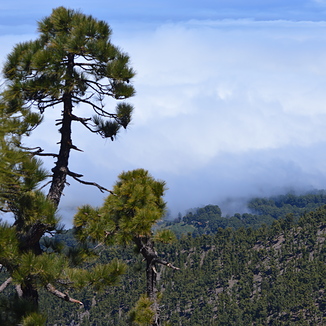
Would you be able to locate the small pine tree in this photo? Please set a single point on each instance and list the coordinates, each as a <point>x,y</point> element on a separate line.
<point>127,216</point>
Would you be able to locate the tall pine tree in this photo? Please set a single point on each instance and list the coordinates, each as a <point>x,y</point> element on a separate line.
<point>71,63</point>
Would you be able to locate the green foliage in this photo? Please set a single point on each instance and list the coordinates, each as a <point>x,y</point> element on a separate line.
<point>44,269</point>
<point>73,55</point>
<point>279,206</point>
<point>89,224</point>
<point>136,204</point>
<point>164,236</point>
<point>13,310</point>
<point>20,173</point>
<point>96,276</point>
<point>34,319</point>
<point>128,216</point>
<point>103,275</point>
<point>142,314</point>
<point>273,275</point>
<point>9,245</point>
<point>131,210</point>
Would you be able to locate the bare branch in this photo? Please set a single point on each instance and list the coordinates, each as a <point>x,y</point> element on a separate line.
<point>5,210</point>
<point>83,121</point>
<point>61,295</point>
<point>75,118</point>
<point>99,88</point>
<point>74,174</point>
<point>45,184</point>
<point>99,110</point>
<point>83,64</point>
<point>19,290</point>
<point>45,154</point>
<point>5,284</point>
<point>76,177</point>
<point>38,151</point>
<point>76,148</point>
<point>162,262</point>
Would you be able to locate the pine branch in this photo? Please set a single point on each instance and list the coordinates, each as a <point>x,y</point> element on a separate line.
<point>38,151</point>
<point>45,184</point>
<point>45,154</point>
<point>101,88</point>
<point>83,121</point>
<point>5,284</point>
<point>61,295</point>
<point>77,177</point>
<point>99,110</point>
<point>5,210</point>
<point>42,106</point>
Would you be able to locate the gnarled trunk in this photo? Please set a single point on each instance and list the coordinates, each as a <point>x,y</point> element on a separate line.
<point>60,170</point>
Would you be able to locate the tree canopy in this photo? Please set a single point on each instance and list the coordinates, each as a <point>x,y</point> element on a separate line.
<point>71,63</point>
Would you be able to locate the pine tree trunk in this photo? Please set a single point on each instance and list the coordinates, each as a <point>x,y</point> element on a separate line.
<point>146,248</point>
<point>60,170</point>
<point>30,294</point>
<point>151,288</point>
<point>28,290</point>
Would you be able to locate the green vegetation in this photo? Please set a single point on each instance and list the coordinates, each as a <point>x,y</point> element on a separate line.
<point>208,219</point>
<point>272,275</point>
<point>127,216</point>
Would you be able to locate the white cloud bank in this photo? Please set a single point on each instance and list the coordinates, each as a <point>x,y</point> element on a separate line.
<point>223,109</point>
<point>210,88</point>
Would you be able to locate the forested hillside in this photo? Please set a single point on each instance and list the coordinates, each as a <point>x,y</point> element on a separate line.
<point>272,275</point>
<point>208,219</point>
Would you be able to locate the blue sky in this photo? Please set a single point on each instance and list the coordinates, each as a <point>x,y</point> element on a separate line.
<point>230,98</point>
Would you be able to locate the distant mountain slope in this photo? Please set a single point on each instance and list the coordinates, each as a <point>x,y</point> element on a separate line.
<point>273,275</point>
<point>208,219</point>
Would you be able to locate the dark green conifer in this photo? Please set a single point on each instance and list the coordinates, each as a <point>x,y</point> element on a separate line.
<point>71,63</point>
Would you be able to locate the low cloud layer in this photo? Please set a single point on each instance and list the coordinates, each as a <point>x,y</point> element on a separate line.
<point>225,110</point>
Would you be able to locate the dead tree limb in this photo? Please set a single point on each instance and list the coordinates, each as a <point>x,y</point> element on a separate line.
<point>61,295</point>
<point>5,283</point>
<point>101,188</point>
